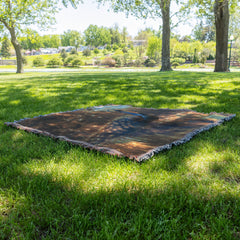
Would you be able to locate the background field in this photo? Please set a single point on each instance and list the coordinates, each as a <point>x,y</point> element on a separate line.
<point>52,190</point>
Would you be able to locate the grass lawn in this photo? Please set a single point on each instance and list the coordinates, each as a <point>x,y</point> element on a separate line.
<point>52,190</point>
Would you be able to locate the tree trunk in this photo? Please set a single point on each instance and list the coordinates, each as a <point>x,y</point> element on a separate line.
<point>17,48</point>
<point>221,12</point>
<point>165,8</point>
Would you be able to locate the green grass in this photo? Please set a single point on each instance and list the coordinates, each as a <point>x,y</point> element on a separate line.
<point>8,67</point>
<point>52,190</point>
<point>196,65</point>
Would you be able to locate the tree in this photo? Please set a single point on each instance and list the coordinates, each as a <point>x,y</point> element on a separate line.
<point>72,38</point>
<point>15,15</point>
<point>234,25</point>
<point>31,41</point>
<point>51,41</point>
<point>144,9</point>
<point>154,48</point>
<point>186,38</point>
<point>63,54</point>
<point>115,35</point>
<point>205,32</point>
<point>97,36</point>
<point>144,35</point>
<point>165,9</point>
<point>221,10</point>
<point>5,49</point>
<point>124,35</point>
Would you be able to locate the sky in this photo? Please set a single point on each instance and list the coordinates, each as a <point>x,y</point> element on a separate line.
<point>88,13</point>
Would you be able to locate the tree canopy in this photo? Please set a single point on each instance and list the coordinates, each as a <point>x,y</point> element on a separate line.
<point>17,15</point>
<point>145,9</point>
<point>5,49</point>
<point>22,13</point>
<point>234,25</point>
<point>71,38</point>
<point>97,36</point>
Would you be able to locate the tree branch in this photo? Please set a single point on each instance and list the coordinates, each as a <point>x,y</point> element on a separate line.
<point>5,23</point>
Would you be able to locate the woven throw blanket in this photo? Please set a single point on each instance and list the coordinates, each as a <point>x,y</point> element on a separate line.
<point>123,130</point>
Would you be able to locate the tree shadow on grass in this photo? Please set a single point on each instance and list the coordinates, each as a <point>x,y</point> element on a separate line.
<point>46,204</point>
<point>43,205</point>
<point>70,91</point>
<point>38,95</point>
<point>110,198</point>
<point>76,91</point>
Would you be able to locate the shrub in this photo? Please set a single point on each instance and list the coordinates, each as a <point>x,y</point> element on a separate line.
<point>130,63</point>
<point>122,45</point>
<point>97,62</point>
<point>211,57</point>
<point>150,62</point>
<point>118,52</point>
<point>38,62</point>
<point>119,60</point>
<point>86,52</point>
<point>125,50</point>
<point>54,62</point>
<point>195,56</point>
<point>63,54</point>
<point>203,59</point>
<point>115,46</point>
<point>175,64</point>
<point>73,61</point>
<point>131,46</point>
<point>109,61</point>
<point>24,60</point>
<point>109,48</point>
<point>126,59</point>
<point>105,52</point>
<point>138,62</point>
<point>154,48</point>
<point>76,62</point>
<point>195,59</point>
<point>96,50</point>
<point>178,60</point>
<point>74,51</point>
<point>236,54</point>
<point>68,60</point>
<point>180,54</point>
